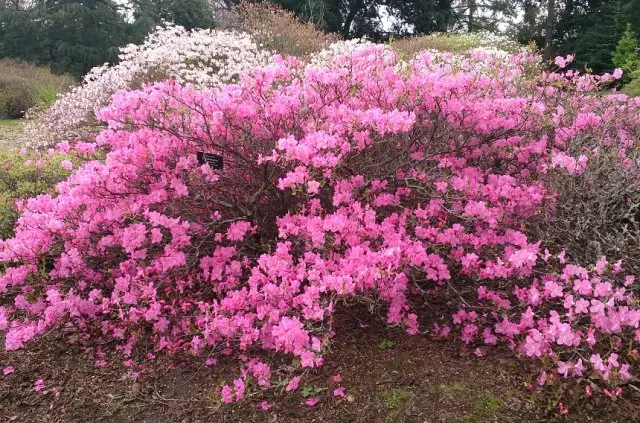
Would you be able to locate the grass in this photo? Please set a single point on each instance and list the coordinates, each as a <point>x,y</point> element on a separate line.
<point>11,122</point>
<point>485,407</point>
<point>398,401</point>
<point>397,397</point>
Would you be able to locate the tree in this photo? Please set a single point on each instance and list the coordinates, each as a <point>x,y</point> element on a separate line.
<point>69,36</point>
<point>21,35</point>
<point>592,36</point>
<point>625,55</point>
<point>483,15</point>
<point>422,16</point>
<point>149,14</point>
<point>366,18</point>
<point>550,26</point>
<point>79,35</point>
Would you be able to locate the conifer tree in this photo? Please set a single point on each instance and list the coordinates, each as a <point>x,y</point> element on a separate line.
<point>625,55</point>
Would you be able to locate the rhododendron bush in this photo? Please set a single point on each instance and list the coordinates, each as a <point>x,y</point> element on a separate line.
<point>369,179</point>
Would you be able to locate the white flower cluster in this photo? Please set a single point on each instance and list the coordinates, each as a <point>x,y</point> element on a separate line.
<point>205,58</point>
<point>336,50</point>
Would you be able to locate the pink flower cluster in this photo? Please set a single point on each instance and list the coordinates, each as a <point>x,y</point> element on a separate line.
<point>367,178</point>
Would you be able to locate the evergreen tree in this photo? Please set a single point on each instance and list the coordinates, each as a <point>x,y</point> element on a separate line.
<point>593,36</point>
<point>79,35</point>
<point>422,16</point>
<point>625,55</point>
<point>148,14</point>
<point>69,36</point>
<point>21,35</point>
<point>483,15</point>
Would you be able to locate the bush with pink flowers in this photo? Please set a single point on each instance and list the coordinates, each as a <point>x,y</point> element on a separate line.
<point>370,179</point>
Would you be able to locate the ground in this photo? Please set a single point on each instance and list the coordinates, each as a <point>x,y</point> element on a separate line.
<point>11,135</point>
<point>389,377</point>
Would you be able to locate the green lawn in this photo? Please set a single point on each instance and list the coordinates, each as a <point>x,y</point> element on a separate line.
<point>11,122</point>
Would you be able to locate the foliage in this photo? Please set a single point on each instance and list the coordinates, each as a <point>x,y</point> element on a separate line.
<point>454,43</point>
<point>625,55</point>
<point>23,86</point>
<point>205,58</point>
<point>633,87</point>
<point>69,36</point>
<point>369,178</point>
<point>589,29</point>
<point>487,16</point>
<point>354,19</point>
<point>73,36</point>
<point>148,14</point>
<point>279,30</point>
<point>596,36</point>
<point>24,176</point>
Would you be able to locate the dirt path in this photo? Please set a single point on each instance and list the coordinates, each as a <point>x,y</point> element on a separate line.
<point>388,377</point>
<point>11,135</point>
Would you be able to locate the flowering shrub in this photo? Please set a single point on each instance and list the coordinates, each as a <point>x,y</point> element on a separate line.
<point>279,30</point>
<point>369,178</point>
<point>203,57</point>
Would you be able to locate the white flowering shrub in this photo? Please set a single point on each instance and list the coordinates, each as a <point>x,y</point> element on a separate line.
<point>204,58</point>
<point>338,49</point>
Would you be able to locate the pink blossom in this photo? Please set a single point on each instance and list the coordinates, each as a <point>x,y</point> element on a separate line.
<point>560,62</point>
<point>227,394</point>
<point>293,384</point>
<point>264,405</point>
<point>239,388</point>
<point>38,385</point>
<point>312,401</point>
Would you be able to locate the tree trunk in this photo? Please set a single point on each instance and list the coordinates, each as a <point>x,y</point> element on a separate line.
<point>472,13</point>
<point>549,29</point>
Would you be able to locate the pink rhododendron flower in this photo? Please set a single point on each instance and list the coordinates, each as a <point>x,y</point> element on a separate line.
<point>38,385</point>
<point>338,392</point>
<point>312,401</point>
<point>264,405</point>
<point>227,394</point>
<point>7,370</point>
<point>293,384</point>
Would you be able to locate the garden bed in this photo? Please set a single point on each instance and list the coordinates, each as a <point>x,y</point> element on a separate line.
<point>388,377</point>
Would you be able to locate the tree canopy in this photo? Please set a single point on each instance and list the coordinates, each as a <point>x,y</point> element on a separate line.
<point>73,36</point>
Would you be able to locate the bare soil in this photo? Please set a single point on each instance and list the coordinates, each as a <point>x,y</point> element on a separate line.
<point>388,376</point>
